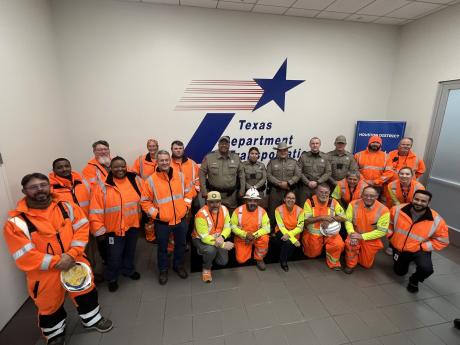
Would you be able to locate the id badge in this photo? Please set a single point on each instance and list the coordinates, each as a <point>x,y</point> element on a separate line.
<point>396,256</point>
<point>111,240</point>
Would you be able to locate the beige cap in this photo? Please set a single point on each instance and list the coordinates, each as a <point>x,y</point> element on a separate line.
<point>214,196</point>
<point>282,146</point>
<point>340,139</point>
<point>225,137</point>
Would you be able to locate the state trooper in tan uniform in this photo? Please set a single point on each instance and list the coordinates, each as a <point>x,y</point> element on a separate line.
<point>341,161</point>
<point>283,173</point>
<point>315,169</point>
<point>223,172</point>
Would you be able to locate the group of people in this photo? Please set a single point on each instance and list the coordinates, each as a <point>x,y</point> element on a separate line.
<point>333,202</point>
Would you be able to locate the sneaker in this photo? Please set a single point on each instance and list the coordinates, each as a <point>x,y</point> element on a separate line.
<point>261,265</point>
<point>59,340</point>
<point>457,323</point>
<point>348,270</point>
<point>135,276</point>
<point>389,251</point>
<point>113,286</point>
<point>206,276</point>
<point>284,266</point>
<point>102,326</point>
<point>412,287</point>
<point>181,272</point>
<point>163,278</point>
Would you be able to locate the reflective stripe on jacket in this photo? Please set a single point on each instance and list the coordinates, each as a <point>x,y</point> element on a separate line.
<point>191,172</point>
<point>395,162</point>
<point>206,227</point>
<point>371,222</point>
<point>144,166</point>
<point>313,208</point>
<point>94,171</point>
<point>394,195</point>
<point>342,191</point>
<point>290,222</point>
<point>256,222</point>
<point>76,190</point>
<point>429,232</point>
<point>372,165</point>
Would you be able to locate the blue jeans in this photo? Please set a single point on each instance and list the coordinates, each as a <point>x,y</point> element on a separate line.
<point>180,233</point>
<point>120,254</point>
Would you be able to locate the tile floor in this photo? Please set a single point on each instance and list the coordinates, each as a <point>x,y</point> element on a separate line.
<point>310,305</point>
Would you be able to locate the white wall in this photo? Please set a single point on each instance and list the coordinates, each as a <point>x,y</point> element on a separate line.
<point>32,130</point>
<point>125,66</point>
<point>429,53</point>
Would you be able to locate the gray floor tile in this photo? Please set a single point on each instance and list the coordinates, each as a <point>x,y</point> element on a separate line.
<point>300,334</point>
<point>234,321</point>
<point>178,286</point>
<point>443,307</point>
<point>199,287</point>
<point>261,315</point>
<point>86,338</point>
<point>287,311</point>
<point>152,310</point>
<point>379,296</point>
<point>401,295</point>
<point>412,315</point>
<point>270,336</point>
<point>327,331</point>
<point>447,333</point>
<point>270,275</point>
<point>376,320</point>
<point>367,342</point>
<point>245,338</point>
<point>207,325</point>
<point>454,299</point>
<point>423,336</point>
<point>253,294</point>
<point>147,332</point>
<point>212,341</point>
<point>178,330</point>
<point>230,298</point>
<point>152,290</point>
<point>445,284</point>
<point>329,283</point>
<point>117,336</point>
<point>311,307</point>
<point>353,327</point>
<point>276,291</point>
<point>345,302</point>
<point>124,313</point>
<point>424,313</point>
<point>298,287</point>
<point>206,302</point>
<point>396,339</point>
<point>178,305</point>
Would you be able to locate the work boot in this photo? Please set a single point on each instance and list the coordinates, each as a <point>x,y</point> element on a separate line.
<point>206,276</point>
<point>181,272</point>
<point>348,270</point>
<point>457,323</point>
<point>135,276</point>
<point>59,340</point>
<point>284,266</point>
<point>412,287</point>
<point>261,265</point>
<point>163,278</point>
<point>113,286</point>
<point>337,268</point>
<point>102,326</point>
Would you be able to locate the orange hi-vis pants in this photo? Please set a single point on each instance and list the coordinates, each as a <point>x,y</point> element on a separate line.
<point>243,249</point>
<point>313,246</point>
<point>363,253</point>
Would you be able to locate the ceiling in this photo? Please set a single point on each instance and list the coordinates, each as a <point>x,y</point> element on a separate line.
<point>392,12</point>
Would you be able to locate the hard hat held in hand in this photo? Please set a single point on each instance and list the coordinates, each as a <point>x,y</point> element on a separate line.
<point>332,229</point>
<point>252,193</point>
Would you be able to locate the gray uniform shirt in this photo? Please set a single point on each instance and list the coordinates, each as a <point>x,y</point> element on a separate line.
<point>279,170</point>
<point>255,174</point>
<point>341,165</point>
<point>314,167</point>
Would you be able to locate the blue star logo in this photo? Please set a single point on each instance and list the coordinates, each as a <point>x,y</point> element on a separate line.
<point>275,89</point>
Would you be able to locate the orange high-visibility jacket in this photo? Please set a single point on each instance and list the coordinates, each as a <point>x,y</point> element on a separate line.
<point>77,189</point>
<point>36,238</point>
<point>342,191</point>
<point>256,222</point>
<point>94,171</point>
<point>109,211</point>
<point>394,194</point>
<point>395,162</point>
<point>371,222</point>
<point>165,196</point>
<point>144,166</point>
<point>290,222</point>
<point>209,226</point>
<point>191,172</point>
<point>372,165</point>
<point>313,208</point>
<point>429,232</point>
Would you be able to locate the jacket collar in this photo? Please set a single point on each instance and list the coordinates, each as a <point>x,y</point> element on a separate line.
<point>428,215</point>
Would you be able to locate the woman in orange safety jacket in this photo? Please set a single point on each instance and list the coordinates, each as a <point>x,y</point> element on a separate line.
<point>402,190</point>
<point>115,218</point>
<point>289,225</point>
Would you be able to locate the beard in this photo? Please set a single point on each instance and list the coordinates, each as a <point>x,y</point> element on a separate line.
<point>104,160</point>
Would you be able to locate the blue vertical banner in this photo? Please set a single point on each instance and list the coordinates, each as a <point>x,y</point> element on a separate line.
<point>391,133</point>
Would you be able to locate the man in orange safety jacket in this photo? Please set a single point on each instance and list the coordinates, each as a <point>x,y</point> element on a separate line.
<point>415,231</point>
<point>98,167</point>
<point>46,236</point>
<point>367,221</point>
<point>371,162</point>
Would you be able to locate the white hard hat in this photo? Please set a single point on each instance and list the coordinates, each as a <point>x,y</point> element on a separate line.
<point>332,229</point>
<point>252,193</point>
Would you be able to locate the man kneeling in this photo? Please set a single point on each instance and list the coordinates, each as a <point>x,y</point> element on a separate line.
<point>212,228</point>
<point>251,226</point>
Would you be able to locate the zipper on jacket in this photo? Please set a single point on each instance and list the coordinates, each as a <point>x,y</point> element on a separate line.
<point>35,289</point>
<point>172,199</point>
<point>58,235</point>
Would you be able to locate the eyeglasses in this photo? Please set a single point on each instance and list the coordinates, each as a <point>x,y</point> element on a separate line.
<point>36,187</point>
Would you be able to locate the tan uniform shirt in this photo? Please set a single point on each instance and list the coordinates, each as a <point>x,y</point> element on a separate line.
<point>222,173</point>
<point>341,164</point>
<point>314,167</point>
<point>279,170</point>
<point>255,174</point>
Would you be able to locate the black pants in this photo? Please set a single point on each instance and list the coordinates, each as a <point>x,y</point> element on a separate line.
<point>286,247</point>
<point>423,263</point>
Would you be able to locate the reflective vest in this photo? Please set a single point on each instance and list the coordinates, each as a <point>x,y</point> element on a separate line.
<point>394,193</point>
<point>292,221</point>
<point>77,189</point>
<point>144,166</point>
<point>165,196</point>
<point>395,162</point>
<point>109,212</point>
<point>429,232</point>
<point>371,165</point>
<point>256,222</point>
<point>342,191</point>
<point>191,173</point>
<point>211,228</point>
<point>36,239</point>
<point>94,171</point>
<point>314,208</point>
<point>372,222</point>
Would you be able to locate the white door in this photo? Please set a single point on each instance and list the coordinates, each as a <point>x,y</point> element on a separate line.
<point>13,292</point>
